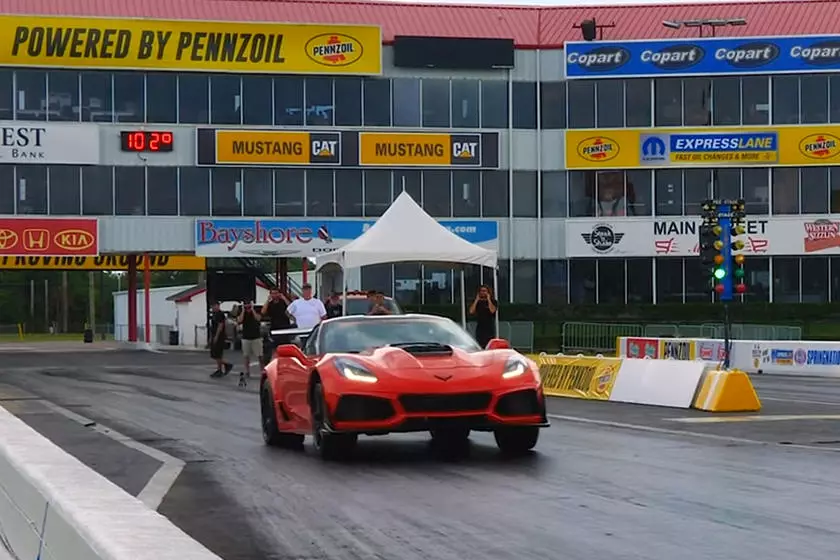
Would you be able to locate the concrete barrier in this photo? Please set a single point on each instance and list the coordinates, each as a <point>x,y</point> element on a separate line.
<point>53,507</point>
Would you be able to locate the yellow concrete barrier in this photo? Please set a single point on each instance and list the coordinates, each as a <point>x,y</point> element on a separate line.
<point>727,391</point>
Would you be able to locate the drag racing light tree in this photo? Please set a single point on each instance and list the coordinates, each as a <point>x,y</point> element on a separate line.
<point>711,246</point>
<point>738,219</point>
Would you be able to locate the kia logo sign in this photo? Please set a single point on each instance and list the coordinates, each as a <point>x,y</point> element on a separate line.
<point>674,57</point>
<point>748,55</point>
<point>600,59</point>
<point>824,53</point>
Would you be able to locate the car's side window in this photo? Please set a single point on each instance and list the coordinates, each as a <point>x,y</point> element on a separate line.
<point>311,346</point>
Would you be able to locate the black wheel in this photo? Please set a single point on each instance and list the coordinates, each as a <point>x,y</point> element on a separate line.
<point>271,435</point>
<point>517,440</point>
<point>330,446</point>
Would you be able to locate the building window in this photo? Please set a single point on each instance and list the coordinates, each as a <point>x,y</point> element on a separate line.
<point>378,277</point>
<point>194,191</point>
<point>31,189</point>
<point>639,281</point>
<point>611,199</point>
<point>410,181</point>
<point>377,102</point>
<point>668,192</point>
<point>815,108</point>
<point>554,194</point>
<point>581,108</point>
<point>289,192</point>
<point>193,99</point>
<point>6,95</point>
<point>466,193</point>
<point>319,101</point>
<point>757,190</point>
<point>31,95</point>
<point>348,192</point>
<point>161,97</point>
<point>669,280</point>
<point>162,189</point>
<point>406,102</point>
<point>130,191</point>
<point>611,281</point>
<point>7,189</point>
<point>814,279</point>
<point>437,193</point>
<point>65,182</point>
<point>834,100</point>
<point>257,192</point>
<point>697,100</point>
<point>755,100</point>
<point>495,199</point>
<point>226,191</point>
<point>225,99</point>
<point>129,97</point>
<point>97,191</point>
<point>757,279</point>
<point>668,102</point>
<point>786,190</point>
<point>553,105</point>
<point>637,102</point>
<point>814,187</point>
<point>610,104</point>
<point>97,97</point>
<point>698,287</point>
<point>377,192</point>
<point>63,98</point>
<point>785,279</point>
<point>348,101</point>
<point>726,183</point>
<point>786,100</point>
<point>408,282</point>
<point>582,281</point>
<point>525,105</point>
<point>436,103</point>
<point>726,101</point>
<point>555,282</point>
<point>437,285</point>
<point>524,194</point>
<point>288,101</point>
<point>257,100</point>
<point>835,192</point>
<point>638,192</point>
<point>525,281</point>
<point>320,193</point>
<point>494,104</point>
<point>581,194</point>
<point>465,108</point>
<point>697,185</point>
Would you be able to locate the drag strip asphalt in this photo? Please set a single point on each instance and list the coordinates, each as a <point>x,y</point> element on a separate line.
<point>607,481</point>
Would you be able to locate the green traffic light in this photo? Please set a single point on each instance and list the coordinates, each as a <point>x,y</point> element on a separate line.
<point>720,273</point>
<point>739,273</point>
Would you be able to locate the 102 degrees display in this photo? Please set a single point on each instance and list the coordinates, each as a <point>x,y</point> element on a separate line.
<point>146,141</point>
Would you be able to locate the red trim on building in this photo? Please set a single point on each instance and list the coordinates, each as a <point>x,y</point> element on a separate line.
<point>530,27</point>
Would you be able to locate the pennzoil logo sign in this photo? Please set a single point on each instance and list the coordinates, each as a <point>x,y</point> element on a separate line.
<point>403,149</point>
<point>820,146</point>
<point>334,49</point>
<point>598,149</point>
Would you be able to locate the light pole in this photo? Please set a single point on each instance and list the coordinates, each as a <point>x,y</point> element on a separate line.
<point>700,24</point>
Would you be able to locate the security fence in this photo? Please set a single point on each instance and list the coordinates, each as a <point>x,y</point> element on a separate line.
<point>600,338</point>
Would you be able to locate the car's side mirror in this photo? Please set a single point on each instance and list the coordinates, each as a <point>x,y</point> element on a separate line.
<point>289,351</point>
<point>498,344</point>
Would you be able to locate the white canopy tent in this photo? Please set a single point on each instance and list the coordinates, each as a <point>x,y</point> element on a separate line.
<point>406,233</point>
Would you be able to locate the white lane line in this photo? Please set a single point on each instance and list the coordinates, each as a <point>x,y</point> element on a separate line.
<point>803,401</point>
<point>683,433</point>
<point>753,418</point>
<point>161,482</point>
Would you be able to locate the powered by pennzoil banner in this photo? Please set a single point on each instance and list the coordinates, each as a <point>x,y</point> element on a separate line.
<point>268,147</point>
<point>114,263</point>
<point>581,377</point>
<point>410,149</point>
<point>186,45</point>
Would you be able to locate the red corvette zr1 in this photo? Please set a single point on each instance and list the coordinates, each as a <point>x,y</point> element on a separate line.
<point>374,375</point>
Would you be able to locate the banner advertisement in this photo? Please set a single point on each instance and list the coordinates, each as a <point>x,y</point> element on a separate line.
<point>307,237</point>
<point>116,263</point>
<point>405,149</point>
<point>182,45</point>
<point>651,148</point>
<point>642,348</point>
<point>673,349</point>
<point>579,377</point>
<point>271,147</point>
<point>49,237</point>
<point>42,143</point>
<point>702,57</point>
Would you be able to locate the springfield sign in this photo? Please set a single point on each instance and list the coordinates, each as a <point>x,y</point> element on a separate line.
<point>202,46</point>
<point>307,238</point>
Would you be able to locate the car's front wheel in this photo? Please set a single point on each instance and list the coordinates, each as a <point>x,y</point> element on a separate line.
<point>330,446</point>
<point>517,440</point>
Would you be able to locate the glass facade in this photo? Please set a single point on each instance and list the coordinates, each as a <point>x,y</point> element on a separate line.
<point>444,104</point>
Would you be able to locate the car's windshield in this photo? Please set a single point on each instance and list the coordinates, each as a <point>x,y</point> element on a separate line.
<point>357,336</point>
<point>361,306</point>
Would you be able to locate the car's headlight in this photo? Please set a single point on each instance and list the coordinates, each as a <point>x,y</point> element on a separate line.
<point>354,371</point>
<point>514,368</point>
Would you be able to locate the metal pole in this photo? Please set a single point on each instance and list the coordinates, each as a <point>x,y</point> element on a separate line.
<point>727,335</point>
<point>147,278</point>
<point>46,302</point>
<point>65,298</point>
<point>463,300</point>
<point>32,299</point>
<point>92,301</point>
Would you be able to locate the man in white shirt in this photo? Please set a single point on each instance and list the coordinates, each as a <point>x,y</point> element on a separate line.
<point>307,311</point>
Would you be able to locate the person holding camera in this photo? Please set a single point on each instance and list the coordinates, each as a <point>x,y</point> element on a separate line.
<point>484,308</point>
<point>249,322</point>
<point>274,311</point>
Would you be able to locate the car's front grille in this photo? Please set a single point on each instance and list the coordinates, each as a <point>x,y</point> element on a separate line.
<point>456,402</point>
<point>520,403</point>
<point>360,408</point>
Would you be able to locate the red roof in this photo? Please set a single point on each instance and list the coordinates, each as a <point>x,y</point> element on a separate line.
<point>530,27</point>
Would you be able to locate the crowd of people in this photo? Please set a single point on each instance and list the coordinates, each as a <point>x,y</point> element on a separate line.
<point>282,311</point>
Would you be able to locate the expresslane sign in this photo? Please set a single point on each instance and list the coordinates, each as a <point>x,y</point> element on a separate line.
<point>143,44</point>
<point>268,147</point>
<point>405,149</point>
<point>702,56</point>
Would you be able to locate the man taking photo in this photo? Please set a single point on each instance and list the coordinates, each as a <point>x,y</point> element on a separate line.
<point>218,341</point>
<point>274,311</point>
<point>484,309</point>
<point>249,320</point>
<point>307,311</point>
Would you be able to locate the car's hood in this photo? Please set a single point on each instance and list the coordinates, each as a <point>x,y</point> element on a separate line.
<point>391,360</point>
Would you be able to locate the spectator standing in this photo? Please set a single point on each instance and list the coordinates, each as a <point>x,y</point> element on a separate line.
<point>333,306</point>
<point>218,341</point>
<point>249,321</point>
<point>307,311</point>
<point>484,308</point>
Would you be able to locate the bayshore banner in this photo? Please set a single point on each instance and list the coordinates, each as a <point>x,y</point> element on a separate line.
<point>189,45</point>
<point>306,238</point>
<point>679,236</point>
<point>648,148</point>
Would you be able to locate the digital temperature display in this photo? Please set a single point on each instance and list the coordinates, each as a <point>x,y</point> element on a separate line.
<point>146,141</point>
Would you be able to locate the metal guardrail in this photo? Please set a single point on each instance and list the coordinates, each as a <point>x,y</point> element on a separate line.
<point>601,337</point>
<point>520,334</point>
